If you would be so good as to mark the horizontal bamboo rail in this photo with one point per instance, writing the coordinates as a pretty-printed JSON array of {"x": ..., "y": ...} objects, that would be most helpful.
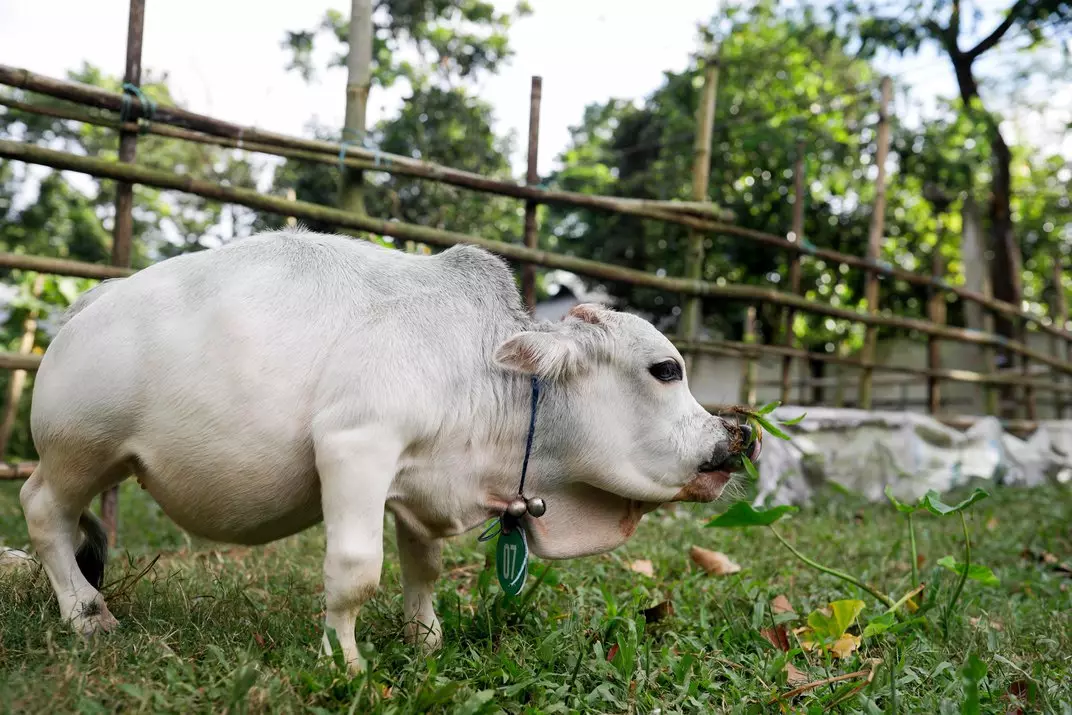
[
  {"x": 395, "y": 229},
  {"x": 380, "y": 161},
  {"x": 756, "y": 350},
  {"x": 273, "y": 143},
  {"x": 62, "y": 267}
]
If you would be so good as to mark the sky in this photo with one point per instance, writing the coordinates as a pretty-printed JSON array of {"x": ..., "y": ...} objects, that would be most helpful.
[{"x": 224, "y": 58}]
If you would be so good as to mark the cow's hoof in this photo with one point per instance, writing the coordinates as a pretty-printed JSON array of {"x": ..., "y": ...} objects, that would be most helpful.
[
  {"x": 427, "y": 638},
  {"x": 95, "y": 618}
]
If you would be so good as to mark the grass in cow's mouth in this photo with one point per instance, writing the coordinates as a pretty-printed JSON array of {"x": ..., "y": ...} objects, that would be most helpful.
[{"x": 210, "y": 628}]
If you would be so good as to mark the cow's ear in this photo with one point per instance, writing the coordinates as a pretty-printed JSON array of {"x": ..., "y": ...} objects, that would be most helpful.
[
  {"x": 591, "y": 313},
  {"x": 549, "y": 355}
]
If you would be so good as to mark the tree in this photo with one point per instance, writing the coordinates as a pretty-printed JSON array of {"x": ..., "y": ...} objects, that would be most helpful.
[
  {"x": 906, "y": 28},
  {"x": 782, "y": 82},
  {"x": 455, "y": 44}
]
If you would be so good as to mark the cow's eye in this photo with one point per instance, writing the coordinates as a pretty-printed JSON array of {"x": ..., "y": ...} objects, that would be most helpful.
[{"x": 666, "y": 371}]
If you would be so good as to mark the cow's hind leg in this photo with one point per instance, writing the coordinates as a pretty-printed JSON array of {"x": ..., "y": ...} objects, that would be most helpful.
[{"x": 54, "y": 507}]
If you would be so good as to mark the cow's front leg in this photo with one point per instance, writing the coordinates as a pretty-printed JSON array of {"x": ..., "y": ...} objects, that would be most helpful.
[
  {"x": 421, "y": 563},
  {"x": 356, "y": 469}
]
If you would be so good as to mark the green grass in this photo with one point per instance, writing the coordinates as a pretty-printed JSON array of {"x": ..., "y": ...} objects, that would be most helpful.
[{"x": 211, "y": 628}]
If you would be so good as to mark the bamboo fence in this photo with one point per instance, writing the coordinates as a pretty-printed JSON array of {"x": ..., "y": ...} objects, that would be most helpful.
[{"x": 101, "y": 108}]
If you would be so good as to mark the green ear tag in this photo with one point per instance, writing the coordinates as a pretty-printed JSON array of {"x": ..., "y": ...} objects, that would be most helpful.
[{"x": 512, "y": 559}]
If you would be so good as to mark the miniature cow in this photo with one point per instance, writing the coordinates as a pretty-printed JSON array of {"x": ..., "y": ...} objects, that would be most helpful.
[{"x": 292, "y": 377}]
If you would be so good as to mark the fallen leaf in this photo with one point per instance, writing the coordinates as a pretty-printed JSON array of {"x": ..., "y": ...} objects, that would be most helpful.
[
  {"x": 643, "y": 566},
  {"x": 777, "y": 637},
  {"x": 845, "y": 645},
  {"x": 658, "y": 612},
  {"x": 1048, "y": 558},
  {"x": 781, "y": 604},
  {"x": 713, "y": 562},
  {"x": 794, "y": 676}
]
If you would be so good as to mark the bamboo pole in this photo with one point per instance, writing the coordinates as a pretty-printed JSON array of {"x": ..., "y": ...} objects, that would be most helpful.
[
  {"x": 122, "y": 246},
  {"x": 1029, "y": 404},
  {"x": 748, "y": 391},
  {"x": 1060, "y": 317},
  {"x": 992, "y": 396},
  {"x": 247, "y": 138},
  {"x": 358, "y": 85},
  {"x": 788, "y": 314},
  {"x": 17, "y": 383},
  {"x": 874, "y": 237},
  {"x": 691, "y": 314},
  {"x": 511, "y": 251},
  {"x": 936, "y": 311},
  {"x": 62, "y": 266},
  {"x": 532, "y": 177}
]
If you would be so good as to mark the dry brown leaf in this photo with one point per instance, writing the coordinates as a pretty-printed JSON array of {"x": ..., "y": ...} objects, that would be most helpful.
[
  {"x": 643, "y": 566},
  {"x": 794, "y": 676},
  {"x": 781, "y": 604},
  {"x": 713, "y": 562},
  {"x": 845, "y": 645},
  {"x": 658, "y": 612},
  {"x": 1048, "y": 558},
  {"x": 777, "y": 637}
]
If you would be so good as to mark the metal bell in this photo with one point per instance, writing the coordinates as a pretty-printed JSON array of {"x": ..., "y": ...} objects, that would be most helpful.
[
  {"x": 537, "y": 507},
  {"x": 516, "y": 508}
]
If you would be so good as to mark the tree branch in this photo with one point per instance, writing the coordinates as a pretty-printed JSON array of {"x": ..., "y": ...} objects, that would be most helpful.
[{"x": 994, "y": 37}]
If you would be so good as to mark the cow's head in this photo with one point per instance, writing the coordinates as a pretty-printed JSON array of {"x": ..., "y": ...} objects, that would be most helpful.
[{"x": 620, "y": 427}]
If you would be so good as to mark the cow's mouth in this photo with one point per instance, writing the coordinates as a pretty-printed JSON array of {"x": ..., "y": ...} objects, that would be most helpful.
[{"x": 711, "y": 477}]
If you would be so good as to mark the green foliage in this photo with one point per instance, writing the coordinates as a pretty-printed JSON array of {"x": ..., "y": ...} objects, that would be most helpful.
[
  {"x": 450, "y": 38},
  {"x": 976, "y": 572},
  {"x": 841, "y": 616},
  {"x": 741, "y": 514},
  {"x": 933, "y": 503}
]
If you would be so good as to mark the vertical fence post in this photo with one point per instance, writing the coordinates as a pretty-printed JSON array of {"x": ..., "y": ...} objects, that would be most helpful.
[
  {"x": 358, "y": 85},
  {"x": 748, "y": 391},
  {"x": 1060, "y": 319},
  {"x": 993, "y": 393},
  {"x": 1030, "y": 404},
  {"x": 874, "y": 240},
  {"x": 528, "y": 271},
  {"x": 937, "y": 313},
  {"x": 701, "y": 175},
  {"x": 789, "y": 313},
  {"x": 17, "y": 383},
  {"x": 124, "y": 214}
]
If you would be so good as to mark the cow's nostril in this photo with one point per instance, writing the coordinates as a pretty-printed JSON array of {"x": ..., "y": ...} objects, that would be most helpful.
[{"x": 746, "y": 437}]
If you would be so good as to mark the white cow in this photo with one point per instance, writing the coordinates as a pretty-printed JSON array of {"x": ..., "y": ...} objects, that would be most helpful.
[{"x": 293, "y": 377}]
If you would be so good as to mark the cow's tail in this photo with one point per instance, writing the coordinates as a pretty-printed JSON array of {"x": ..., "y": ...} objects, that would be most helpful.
[
  {"x": 92, "y": 555},
  {"x": 86, "y": 298}
]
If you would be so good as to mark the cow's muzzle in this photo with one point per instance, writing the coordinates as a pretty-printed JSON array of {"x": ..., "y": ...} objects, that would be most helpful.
[{"x": 713, "y": 475}]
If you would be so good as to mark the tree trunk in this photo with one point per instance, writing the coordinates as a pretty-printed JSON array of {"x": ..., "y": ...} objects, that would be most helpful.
[{"x": 1005, "y": 267}]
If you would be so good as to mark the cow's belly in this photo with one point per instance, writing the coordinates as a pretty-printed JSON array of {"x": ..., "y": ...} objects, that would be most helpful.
[{"x": 251, "y": 495}]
